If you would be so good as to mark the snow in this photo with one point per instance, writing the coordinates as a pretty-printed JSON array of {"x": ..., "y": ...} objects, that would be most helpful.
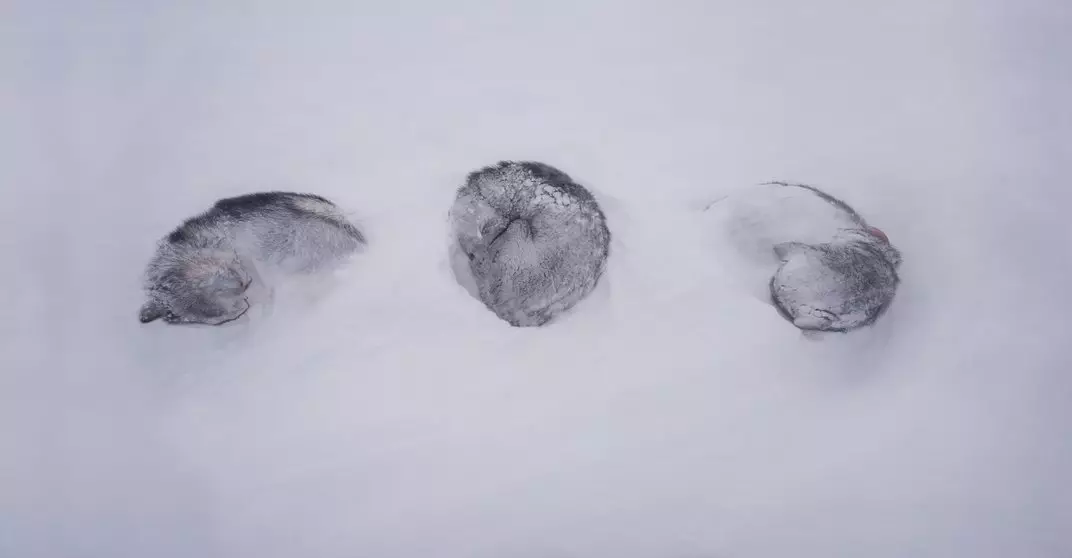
[{"x": 388, "y": 414}]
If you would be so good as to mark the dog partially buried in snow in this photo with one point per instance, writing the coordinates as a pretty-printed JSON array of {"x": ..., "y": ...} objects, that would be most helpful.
[
  {"x": 536, "y": 242},
  {"x": 834, "y": 272},
  {"x": 203, "y": 270}
]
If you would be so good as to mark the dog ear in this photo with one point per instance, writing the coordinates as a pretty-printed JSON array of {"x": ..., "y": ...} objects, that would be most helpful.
[
  {"x": 787, "y": 249},
  {"x": 151, "y": 310}
]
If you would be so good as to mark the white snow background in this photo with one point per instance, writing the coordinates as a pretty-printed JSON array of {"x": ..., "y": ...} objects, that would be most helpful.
[{"x": 670, "y": 416}]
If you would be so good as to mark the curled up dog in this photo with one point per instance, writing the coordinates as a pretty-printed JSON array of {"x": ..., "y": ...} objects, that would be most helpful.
[{"x": 202, "y": 271}]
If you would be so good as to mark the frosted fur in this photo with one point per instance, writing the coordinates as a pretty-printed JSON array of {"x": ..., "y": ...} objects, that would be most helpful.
[
  {"x": 202, "y": 270},
  {"x": 536, "y": 241},
  {"x": 839, "y": 285}
]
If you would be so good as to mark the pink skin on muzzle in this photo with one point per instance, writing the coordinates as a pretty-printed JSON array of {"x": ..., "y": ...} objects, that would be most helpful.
[{"x": 878, "y": 233}]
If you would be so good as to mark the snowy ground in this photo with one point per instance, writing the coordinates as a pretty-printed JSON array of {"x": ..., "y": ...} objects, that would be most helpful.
[{"x": 671, "y": 416}]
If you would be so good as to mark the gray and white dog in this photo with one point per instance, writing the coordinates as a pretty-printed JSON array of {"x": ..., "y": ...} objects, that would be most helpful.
[
  {"x": 202, "y": 270},
  {"x": 840, "y": 285},
  {"x": 537, "y": 242}
]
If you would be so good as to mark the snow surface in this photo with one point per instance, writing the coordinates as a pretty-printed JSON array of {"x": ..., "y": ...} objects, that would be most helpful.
[{"x": 671, "y": 415}]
